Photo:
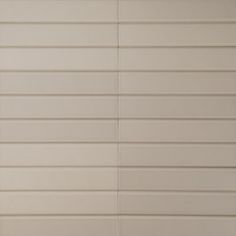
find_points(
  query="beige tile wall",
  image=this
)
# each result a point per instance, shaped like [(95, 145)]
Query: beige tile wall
[(117, 117)]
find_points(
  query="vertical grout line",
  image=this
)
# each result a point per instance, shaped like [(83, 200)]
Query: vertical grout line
[(118, 121)]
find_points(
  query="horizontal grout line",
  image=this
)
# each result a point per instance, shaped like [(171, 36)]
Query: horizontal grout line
[(114, 46), (177, 95), (115, 142), (174, 46), (57, 215), (163, 191), (174, 70), (179, 215), (175, 216), (118, 166), (64, 192), (59, 191), (59, 119), (115, 22), (61, 95), (176, 142), (60, 142), (60, 167), (113, 70), (119, 214), (179, 167), (120, 191), (175, 191), (119, 22), (61, 71), (175, 22), (62, 46), (119, 118), (124, 143), (121, 95), (181, 118), (47, 217)]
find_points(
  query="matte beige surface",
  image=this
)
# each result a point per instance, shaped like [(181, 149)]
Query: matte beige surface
[(106, 107), (57, 203), (58, 11), (58, 179), (175, 226), (58, 107), (177, 107), (177, 11), (177, 131), (92, 226), (58, 35), (58, 59), (59, 226), (58, 131), (180, 83), (117, 118), (177, 35), (177, 179), (71, 83), (164, 203), (58, 154), (178, 155), (169, 59)]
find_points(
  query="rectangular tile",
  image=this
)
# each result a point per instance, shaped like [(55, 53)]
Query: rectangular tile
[(58, 35), (177, 179), (58, 107), (177, 59), (177, 34), (63, 226), (177, 107), (177, 82), (58, 179), (177, 203), (177, 11), (175, 226), (178, 155), (177, 131), (58, 11), (57, 203), (71, 83), (58, 154), (58, 131), (58, 59)]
